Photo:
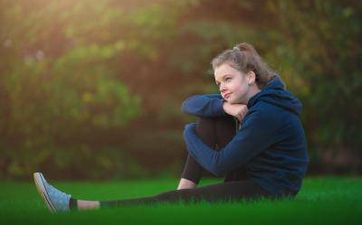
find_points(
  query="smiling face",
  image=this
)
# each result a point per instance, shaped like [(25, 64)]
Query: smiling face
[(234, 85)]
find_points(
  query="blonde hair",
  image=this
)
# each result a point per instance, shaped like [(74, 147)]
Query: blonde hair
[(244, 57)]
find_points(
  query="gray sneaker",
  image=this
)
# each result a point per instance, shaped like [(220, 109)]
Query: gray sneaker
[(56, 200)]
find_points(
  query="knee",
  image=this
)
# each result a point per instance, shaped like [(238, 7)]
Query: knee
[(216, 131), (205, 125)]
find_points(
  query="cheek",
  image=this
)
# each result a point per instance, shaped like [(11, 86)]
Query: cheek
[(234, 85), (239, 90), (237, 87)]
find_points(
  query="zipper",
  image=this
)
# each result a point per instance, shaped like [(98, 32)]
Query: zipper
[(237, 124)]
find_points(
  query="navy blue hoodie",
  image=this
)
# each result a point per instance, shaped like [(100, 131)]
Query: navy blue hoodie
[(270, 143)]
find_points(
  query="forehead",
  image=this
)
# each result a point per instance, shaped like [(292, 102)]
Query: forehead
[(225, 69)]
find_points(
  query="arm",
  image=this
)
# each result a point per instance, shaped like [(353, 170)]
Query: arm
[(210, 105), (255, 135)]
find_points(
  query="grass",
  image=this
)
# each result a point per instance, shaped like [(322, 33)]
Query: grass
[(323, 200)]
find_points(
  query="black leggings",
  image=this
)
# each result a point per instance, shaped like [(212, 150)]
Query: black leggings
[(216, 133)]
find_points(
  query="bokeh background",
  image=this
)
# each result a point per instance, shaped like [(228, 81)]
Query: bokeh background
[(92, 89)]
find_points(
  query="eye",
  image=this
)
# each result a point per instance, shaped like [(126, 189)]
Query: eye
[(227, 79)]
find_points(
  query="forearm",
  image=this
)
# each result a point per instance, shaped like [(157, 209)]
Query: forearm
[(252, 138), (204, 105)]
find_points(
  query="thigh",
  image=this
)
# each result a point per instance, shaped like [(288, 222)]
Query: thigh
[(215, 132), (212, 133), (225, 130), (236, 190)]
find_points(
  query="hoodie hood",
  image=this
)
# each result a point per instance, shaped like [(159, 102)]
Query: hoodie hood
[(274, 93)]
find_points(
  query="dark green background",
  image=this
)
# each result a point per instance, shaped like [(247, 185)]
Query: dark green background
[(92, 89)]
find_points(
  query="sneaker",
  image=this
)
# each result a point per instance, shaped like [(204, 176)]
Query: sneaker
[(56, 200)]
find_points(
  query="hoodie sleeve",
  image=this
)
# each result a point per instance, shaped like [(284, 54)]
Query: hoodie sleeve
[(255, 135), (210, 105)]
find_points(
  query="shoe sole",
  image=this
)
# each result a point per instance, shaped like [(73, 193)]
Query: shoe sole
[(39, 184)]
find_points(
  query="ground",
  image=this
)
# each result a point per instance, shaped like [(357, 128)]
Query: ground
[(322, 200)]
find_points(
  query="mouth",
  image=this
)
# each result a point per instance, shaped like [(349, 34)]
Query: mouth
[(226, 96)]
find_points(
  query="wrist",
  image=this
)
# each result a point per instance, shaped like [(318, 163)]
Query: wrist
[(222, 107)]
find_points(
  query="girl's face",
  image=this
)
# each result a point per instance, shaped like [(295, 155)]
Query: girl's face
[(234, 85)]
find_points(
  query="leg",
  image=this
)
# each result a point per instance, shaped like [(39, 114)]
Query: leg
[(84, 204), (223, 131), (186, 184), (234, 191), (58, 201), (214, 132)]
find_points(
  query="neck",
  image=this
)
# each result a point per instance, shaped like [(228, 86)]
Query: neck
[(252, 92)]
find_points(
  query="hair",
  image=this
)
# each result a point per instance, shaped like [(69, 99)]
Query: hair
[(244, 58)]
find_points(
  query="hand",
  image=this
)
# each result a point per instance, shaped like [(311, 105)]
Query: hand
[(236, 110)]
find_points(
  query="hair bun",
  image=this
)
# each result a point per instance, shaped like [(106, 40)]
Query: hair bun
[(246, 47)]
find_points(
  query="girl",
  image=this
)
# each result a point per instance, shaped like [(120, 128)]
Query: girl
[(250, 133)]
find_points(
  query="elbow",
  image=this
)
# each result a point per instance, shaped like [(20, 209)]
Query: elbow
[(217, 170), (216, 173), (186, 105), (218, 165)]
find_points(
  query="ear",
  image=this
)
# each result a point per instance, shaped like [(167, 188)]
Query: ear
[(251, 78)]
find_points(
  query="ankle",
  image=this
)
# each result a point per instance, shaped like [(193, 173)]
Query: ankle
[(186, 184), (87, 205), (73, 204)]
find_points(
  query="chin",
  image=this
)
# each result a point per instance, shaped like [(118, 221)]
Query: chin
[(232, 101), (236, 101)]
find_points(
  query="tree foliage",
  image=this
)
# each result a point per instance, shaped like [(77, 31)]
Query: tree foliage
[(93, 88)]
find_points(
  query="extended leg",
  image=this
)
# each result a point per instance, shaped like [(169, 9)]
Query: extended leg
[(230, 191)]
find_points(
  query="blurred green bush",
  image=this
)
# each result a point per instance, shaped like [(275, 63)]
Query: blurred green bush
[(92, 89)]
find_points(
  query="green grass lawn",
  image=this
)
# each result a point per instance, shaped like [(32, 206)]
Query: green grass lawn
[(323, 200)]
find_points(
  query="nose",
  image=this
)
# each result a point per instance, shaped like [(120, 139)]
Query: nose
[(222, 88)]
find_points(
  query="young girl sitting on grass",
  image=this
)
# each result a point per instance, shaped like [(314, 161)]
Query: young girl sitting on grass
[(250, 133)]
